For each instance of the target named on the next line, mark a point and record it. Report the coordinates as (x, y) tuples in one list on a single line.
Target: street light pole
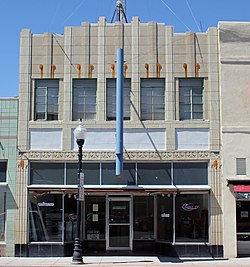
[(80, 135)]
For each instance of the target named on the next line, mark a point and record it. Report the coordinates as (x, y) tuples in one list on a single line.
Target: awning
[(242, 188)]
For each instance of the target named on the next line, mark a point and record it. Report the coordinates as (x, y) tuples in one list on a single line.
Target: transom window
[(84, 99), (152, 99), (111, 99), (191, 99), (46, 99)]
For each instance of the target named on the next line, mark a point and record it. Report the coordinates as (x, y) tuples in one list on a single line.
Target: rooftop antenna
[(120, 12)]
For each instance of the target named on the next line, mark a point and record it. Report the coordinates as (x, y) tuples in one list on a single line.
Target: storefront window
[(243, 217), (193, 173), (45, 217), (91, 173), (46, 173), (191, 218), (70, 217), (143, 217), (95, 218), (165, 217), (2, 215), (109, 177), (153, 174)]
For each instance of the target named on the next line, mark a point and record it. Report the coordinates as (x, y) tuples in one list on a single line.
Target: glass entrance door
[(118, 224)]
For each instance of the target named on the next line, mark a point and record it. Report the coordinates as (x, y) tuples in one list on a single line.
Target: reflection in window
[(143, 217), (2, 215), (45, 217), (70, 218), (95, 218), (191, 218)]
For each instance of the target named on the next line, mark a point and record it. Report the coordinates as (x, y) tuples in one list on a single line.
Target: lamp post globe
[(80, 135)]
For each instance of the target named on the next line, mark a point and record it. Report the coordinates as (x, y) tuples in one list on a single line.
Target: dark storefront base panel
[(140, 247)]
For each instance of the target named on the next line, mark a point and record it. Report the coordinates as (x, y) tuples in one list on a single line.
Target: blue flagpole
[(119, 113)]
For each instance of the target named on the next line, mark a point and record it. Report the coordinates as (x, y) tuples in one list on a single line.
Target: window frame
[(4, 217), (84, 88), (5, 165), (162, 106), (178, 96), (127, 81), (46, 103), (242, 169)]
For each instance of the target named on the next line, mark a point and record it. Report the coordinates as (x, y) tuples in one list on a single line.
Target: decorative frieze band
[(128, 156)]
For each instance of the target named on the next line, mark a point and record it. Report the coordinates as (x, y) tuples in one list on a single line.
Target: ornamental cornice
[(128, 155)]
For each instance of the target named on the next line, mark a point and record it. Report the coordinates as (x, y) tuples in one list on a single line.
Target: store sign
[(46, 204), (190, 206)]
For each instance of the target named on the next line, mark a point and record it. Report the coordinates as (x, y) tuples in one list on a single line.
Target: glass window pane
[(46, 173), (109, 177), (191, 99), (165, 217), (95, 218), (91, 173), (70, 217), (111, 99), (191, 173), (2, 215), (46, 99), (3, 172), (191, 218), (45, 217), (143, 217), (152, 99), (84, 99), (153, 174)]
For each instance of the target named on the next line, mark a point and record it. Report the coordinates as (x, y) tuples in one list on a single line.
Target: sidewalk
[(127, 261)]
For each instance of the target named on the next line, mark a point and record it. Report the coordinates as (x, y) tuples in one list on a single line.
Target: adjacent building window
[(152, 99), (191, 99), (241, 166), (3, 171), (84, 99), (46, 99), (2, 215), (111, 99)]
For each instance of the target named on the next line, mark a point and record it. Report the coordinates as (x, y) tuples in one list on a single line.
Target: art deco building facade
[(169, 199)]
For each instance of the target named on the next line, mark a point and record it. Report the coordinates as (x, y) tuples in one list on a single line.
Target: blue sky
[(52, 15)]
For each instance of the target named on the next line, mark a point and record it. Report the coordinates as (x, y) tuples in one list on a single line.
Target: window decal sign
[(190, 206)]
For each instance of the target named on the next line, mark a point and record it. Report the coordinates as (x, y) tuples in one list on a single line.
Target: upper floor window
[(241, 166), (152, 99), (3, 171), (84, 99), (111, 99), (46, 99), (191, 99)]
